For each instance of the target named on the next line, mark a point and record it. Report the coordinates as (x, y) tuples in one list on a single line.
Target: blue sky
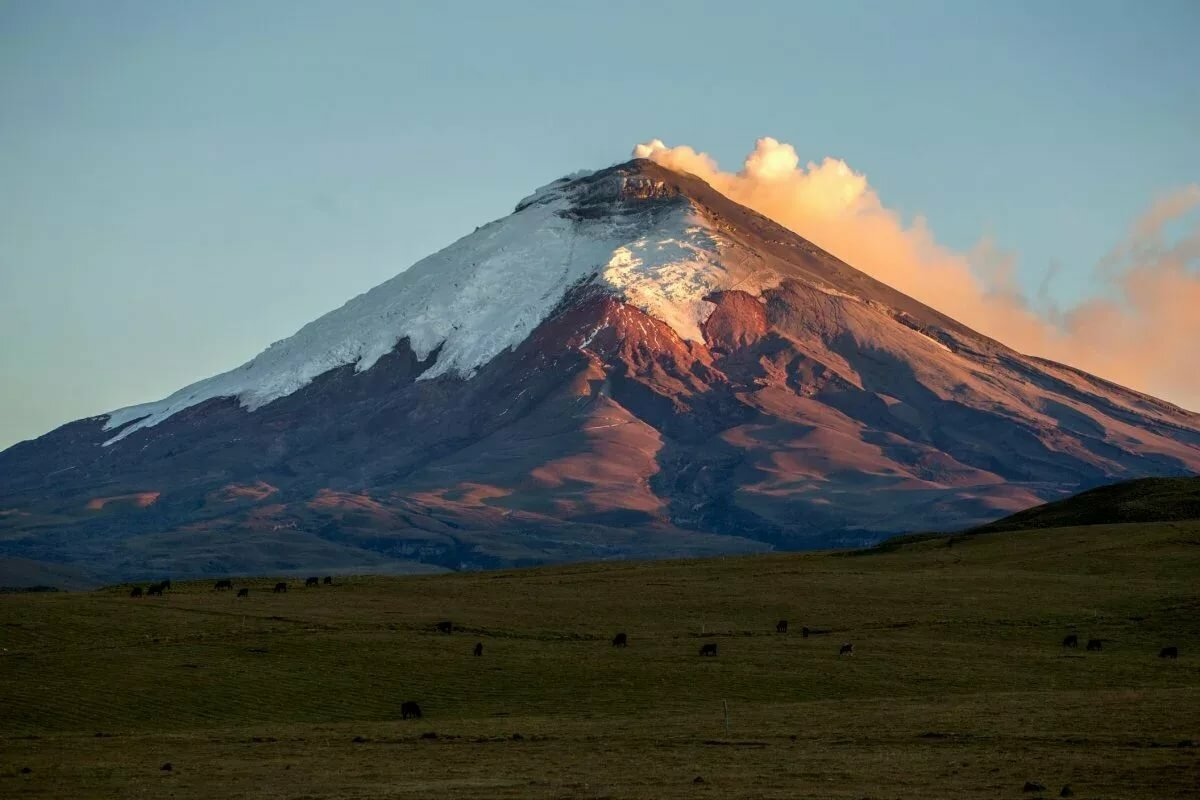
[(182, 183)]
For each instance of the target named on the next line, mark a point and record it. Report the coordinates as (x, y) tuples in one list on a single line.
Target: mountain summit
[(629, 364)]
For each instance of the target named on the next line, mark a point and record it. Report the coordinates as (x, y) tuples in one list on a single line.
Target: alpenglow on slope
[(629, 365)]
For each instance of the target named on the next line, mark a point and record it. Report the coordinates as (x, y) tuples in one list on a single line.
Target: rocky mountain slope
[(628, 365)]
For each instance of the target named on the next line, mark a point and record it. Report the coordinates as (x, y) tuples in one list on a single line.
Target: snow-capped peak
[(486, 293)]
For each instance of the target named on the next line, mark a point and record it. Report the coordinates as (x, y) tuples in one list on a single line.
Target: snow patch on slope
[(669, 277), (485, 294)]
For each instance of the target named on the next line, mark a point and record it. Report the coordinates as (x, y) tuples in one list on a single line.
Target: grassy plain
[(958, 687)]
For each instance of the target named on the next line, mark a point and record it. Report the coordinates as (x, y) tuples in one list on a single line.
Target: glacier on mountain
[(486, 292)]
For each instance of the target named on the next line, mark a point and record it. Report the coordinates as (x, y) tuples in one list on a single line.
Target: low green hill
[(958, 685), (1145, 500)]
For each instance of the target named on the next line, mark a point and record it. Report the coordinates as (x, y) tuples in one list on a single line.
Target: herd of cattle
[(411, 710), (1072, 640), (223, 585)]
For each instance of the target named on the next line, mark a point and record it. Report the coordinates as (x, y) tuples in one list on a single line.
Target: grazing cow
[(154, 588), (222, 584), (328, 580), (781, 626), (166, 584), (1169, 652), (445, 627), (135, 591), (1095, 644), (243, 592), (410, 709), (708, 650), (479, 648), (805, 632), (1071, 641), (313, 581), (620, 640), (847, 650), (1033, 786), (1067, 791), (280, 587)]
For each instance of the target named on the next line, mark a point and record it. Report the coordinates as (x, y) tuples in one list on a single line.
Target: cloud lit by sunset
[(1138, 327)]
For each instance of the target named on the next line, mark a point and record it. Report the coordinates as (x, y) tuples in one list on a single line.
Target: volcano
[(628, 365)]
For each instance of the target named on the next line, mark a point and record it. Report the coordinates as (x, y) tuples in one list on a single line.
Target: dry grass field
[(958, 686)]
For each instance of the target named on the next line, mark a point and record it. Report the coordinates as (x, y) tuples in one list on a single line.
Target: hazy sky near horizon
[(183, 183)]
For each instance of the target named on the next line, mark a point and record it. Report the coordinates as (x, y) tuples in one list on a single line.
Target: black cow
[(1071, 641), (410, 709), (708, 649), (280, 587), (135, 591), (222, 584), (1095, 644), (620, 640), (166, 584), (847, 650), (479, 648), (781, 626), (445, 627), (155, 589), (1169, 652), (243, 592), (805, 632), (313, 581), (328, 580)]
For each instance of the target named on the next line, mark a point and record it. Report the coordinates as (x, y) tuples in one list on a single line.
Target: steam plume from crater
[(1140, 327)]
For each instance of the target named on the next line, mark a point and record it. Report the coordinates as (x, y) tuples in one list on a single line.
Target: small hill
[(1145, 500), (21, 574)]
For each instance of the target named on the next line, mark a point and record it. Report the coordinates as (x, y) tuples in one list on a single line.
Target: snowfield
[(488, 291)]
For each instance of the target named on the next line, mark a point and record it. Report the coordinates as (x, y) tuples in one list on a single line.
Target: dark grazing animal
[(165, 584), (135, 591), (847, 650), (1169, 652), (708, 649), (243, 592), (313, 581), (1033, 786), (222, 584), (328, 580), (280, 587), (1071, 641), (620, 640), (409, 709), (445, 627), (1067, 791), (781, 626), (805, 632), (479, 648), (155, 588), (1095, 644)]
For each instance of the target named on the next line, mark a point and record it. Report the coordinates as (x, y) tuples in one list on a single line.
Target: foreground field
[(958, 686)]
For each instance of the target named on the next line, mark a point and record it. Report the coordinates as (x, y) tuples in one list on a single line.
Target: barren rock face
[(630, 365)]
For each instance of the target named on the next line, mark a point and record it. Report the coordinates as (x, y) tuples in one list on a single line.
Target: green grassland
[(958, 687)]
